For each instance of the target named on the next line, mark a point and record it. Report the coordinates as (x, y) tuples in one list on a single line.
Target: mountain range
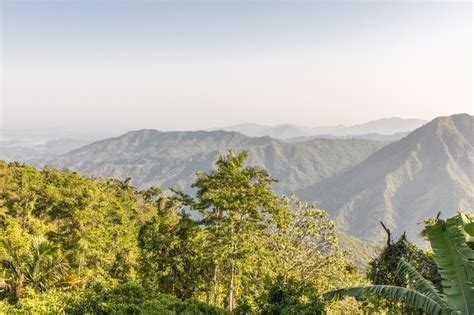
[(406, 177), (381, 127), (154, 158)]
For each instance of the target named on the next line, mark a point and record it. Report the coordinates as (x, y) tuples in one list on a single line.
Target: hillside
[(154, 158), (428, 171)]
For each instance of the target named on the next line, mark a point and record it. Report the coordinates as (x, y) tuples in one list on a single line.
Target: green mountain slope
[(164, 159), (430, 170)]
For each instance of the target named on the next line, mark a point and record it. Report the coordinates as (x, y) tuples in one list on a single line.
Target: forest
[(74, 244)]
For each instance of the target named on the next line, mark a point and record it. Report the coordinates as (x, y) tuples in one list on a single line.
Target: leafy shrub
[(290, 296), (131, 298), (124, 299)]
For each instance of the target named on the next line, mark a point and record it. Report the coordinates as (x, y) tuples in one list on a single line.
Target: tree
[(304, 248), (382, 269), (41, 268), (290, 296), (95, 221), (455, 260), (171, 244), (305, 244), (234, 201)]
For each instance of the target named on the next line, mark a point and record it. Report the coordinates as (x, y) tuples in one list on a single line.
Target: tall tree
[(234, 201), (305, 247)]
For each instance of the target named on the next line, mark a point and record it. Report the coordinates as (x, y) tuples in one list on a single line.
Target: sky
[(176, 65)]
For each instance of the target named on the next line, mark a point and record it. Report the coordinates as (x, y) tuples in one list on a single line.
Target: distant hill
[(19, 150), (369, 136), (430, 170), (284, 131), (382, 127), (166, 159), (362, 252)]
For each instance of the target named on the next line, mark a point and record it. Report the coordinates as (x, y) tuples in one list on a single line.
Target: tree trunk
[(216, 265), (18, 289), (231, 281), (214, 285), (208, 295)]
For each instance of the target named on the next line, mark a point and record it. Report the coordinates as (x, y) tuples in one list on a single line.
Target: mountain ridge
[(382, 126), (431, 169), (165, 159)]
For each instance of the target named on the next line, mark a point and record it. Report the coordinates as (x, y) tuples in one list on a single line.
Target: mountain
[(166, 159), (430, 170), (283, 131), (370, 136), (27, 151), (382, 127)]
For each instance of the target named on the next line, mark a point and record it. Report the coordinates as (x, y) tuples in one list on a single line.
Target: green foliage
[(31, 302), (414, 299), (455, 260), (128, 298), (133, 299), (305, 246), (94, 222), (416, 282), (105, 247), (362, 252), (172, 254), (382, 270), (42, 267), (289, 296), (234, 201)]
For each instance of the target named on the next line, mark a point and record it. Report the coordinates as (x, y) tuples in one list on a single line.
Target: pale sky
[(175, 65)]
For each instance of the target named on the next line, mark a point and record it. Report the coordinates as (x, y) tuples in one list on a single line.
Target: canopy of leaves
[(74, 244)]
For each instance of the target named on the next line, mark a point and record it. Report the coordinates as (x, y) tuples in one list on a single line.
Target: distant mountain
[(430, 170), (382, 127), (283, 131), (166, 159), (369, 136), (27, 151)]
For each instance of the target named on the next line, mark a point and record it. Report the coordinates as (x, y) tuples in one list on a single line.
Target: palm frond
[(420, 284), (409, 297)]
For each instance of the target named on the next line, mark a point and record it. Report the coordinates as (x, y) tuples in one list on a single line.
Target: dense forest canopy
[(79, 244), (67, 235)]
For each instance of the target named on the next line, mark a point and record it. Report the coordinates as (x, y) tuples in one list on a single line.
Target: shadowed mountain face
[(168, 159), (430, 170)]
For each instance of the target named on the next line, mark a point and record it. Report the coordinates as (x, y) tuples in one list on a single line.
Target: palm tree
[(455, 260), (42, 267)]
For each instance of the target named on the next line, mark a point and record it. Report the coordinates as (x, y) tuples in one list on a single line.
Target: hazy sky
[(190, 65)]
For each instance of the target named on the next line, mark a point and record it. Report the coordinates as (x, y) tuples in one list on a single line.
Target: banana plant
[(450, 240)]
